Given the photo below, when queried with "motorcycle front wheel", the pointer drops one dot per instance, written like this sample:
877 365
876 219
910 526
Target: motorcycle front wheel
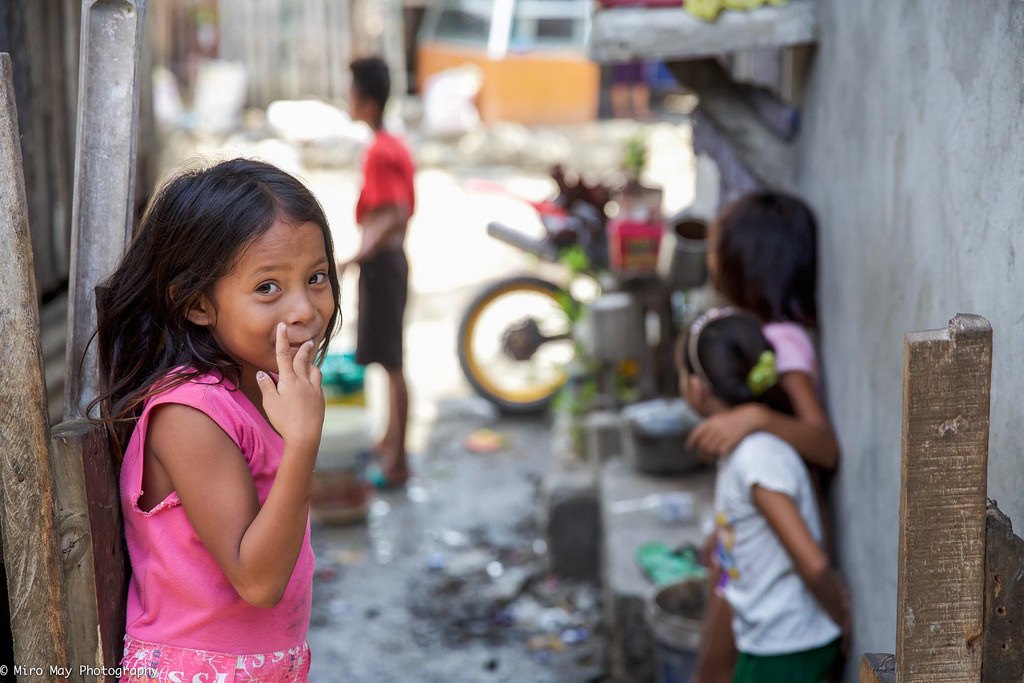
515 343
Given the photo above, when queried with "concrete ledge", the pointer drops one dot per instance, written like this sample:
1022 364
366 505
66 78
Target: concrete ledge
625 588
669 34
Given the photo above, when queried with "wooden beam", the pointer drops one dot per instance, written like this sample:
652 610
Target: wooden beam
726 104
103 203
1004 599
941 581
878 668
30 547
625 34
91 533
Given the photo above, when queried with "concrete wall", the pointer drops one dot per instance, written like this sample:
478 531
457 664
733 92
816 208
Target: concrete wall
913 157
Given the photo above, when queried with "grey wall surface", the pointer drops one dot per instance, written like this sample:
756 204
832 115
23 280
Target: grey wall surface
913 157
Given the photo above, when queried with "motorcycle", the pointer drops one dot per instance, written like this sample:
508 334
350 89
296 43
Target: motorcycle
515 339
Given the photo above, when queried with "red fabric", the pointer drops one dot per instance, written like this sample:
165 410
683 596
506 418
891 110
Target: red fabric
387 176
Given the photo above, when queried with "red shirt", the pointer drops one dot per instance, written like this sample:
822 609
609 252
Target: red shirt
387 176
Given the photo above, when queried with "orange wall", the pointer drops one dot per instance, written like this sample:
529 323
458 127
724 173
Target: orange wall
539 87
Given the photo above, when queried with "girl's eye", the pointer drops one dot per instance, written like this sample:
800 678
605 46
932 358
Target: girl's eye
318 279
268 288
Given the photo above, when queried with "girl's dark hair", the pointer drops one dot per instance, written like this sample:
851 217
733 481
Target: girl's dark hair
372 80
727 349
192 234
767 257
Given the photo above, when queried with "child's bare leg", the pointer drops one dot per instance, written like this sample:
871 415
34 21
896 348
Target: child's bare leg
620 100
392 446
716 656
641 97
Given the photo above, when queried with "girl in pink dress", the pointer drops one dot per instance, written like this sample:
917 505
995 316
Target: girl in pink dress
208 335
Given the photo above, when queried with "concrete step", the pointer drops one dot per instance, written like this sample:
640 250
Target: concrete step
624 586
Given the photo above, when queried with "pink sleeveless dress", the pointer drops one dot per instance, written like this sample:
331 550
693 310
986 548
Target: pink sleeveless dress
185 621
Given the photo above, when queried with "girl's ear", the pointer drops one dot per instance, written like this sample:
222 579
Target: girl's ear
200 312
696 392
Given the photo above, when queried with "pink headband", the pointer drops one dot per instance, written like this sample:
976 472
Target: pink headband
695 330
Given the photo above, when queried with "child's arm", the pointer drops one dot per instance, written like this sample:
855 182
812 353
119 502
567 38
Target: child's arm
256 547
378 228
809 431
810 560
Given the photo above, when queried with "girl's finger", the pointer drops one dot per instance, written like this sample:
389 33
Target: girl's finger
705 441
315 375
694 438
284 359
266 384
301 362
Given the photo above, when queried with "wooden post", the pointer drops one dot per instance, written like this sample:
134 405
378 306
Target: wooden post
103 203
30 544
1004 600
94 563
941 583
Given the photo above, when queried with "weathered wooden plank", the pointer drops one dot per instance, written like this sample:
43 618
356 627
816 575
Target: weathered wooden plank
71 41
878 668
1004 600
338 50
30 30
941 581
103 203
45 24
91 533
31 551
36 148
290 48
725 103
668 34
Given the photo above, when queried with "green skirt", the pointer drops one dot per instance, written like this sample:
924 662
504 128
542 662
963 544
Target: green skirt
809 666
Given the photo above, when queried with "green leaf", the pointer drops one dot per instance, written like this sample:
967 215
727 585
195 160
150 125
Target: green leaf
575 258
573 309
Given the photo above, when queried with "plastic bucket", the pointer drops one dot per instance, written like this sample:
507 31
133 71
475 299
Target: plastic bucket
343 379
673 617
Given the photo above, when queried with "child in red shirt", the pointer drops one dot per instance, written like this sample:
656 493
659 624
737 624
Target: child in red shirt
386 203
